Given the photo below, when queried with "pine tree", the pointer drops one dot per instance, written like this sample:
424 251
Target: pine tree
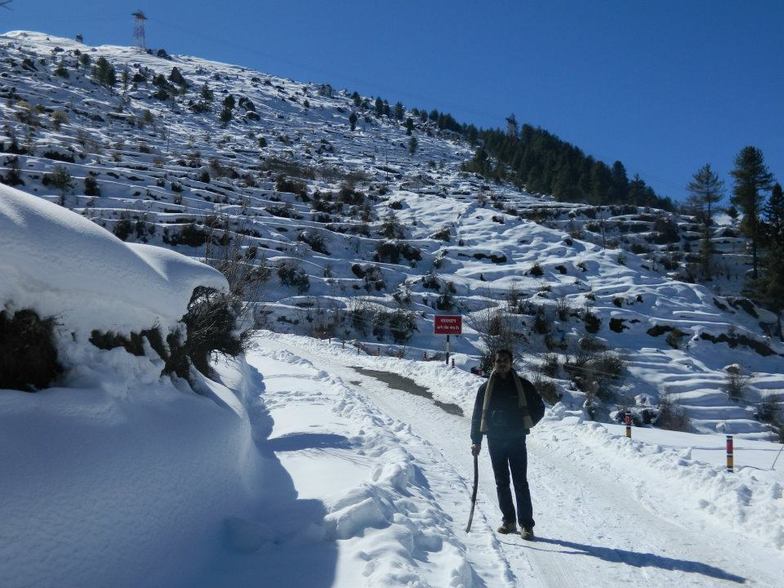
705 189
511 126
412 145
352 120
769 289
409 126
619 186
601 180
773 213
104 72
751 178
399 111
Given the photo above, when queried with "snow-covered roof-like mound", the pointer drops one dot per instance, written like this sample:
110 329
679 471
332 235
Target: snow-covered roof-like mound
63 265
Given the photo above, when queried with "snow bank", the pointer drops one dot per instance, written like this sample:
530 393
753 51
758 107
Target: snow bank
63 265
99 491
124 476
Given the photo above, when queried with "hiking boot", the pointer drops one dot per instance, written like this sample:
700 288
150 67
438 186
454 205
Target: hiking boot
507 528
527 533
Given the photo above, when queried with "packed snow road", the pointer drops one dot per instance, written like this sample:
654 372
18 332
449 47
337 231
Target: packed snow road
599 521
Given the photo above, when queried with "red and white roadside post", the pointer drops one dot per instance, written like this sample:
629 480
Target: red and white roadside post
448 324
730 451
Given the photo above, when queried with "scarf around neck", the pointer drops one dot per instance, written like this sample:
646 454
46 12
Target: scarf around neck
521 401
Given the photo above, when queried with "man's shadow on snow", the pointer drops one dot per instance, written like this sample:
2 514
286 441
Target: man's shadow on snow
641 560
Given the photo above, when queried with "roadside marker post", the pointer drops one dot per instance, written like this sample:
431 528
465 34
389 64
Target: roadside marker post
730 452
627 418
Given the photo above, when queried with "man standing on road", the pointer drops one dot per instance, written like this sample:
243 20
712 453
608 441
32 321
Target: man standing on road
507 407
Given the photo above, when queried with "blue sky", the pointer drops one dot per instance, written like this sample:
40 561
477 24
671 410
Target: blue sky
664 86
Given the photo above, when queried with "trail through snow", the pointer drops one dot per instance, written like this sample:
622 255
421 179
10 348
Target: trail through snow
599 522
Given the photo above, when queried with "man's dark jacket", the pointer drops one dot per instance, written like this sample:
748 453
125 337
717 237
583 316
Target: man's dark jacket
504 414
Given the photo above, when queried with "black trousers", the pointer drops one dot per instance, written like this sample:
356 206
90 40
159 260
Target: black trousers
510 455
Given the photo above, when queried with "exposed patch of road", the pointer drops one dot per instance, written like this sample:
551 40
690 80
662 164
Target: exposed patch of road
404 384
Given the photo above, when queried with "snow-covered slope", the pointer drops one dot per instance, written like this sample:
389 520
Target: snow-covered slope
170 172
297 466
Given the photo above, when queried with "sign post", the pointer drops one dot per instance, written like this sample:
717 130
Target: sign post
448 324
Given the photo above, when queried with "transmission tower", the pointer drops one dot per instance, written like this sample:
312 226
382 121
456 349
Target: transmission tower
138 29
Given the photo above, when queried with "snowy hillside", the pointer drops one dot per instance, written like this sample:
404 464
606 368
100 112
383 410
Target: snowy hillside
342 461
353 235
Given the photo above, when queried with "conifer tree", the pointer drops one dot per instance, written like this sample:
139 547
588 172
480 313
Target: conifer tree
399 111
412 145
705 189
379 107
511 126
352 120
104 72
769 288
619 186
773 213
751 179
601 180
409 126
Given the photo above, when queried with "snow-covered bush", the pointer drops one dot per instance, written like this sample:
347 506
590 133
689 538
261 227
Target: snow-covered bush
315 240
402 325
291 274
592 321
392 251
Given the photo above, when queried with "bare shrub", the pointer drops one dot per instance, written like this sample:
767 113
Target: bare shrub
767 410
735 383
236 259
562 308
671 416
595 372
546 389
360 315
496 331
550 365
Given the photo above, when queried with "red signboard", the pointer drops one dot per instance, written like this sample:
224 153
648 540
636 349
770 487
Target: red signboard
448 324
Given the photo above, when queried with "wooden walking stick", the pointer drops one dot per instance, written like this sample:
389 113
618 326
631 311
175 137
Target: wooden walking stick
473 494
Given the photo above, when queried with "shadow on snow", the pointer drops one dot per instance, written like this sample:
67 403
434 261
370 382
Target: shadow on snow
642 560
